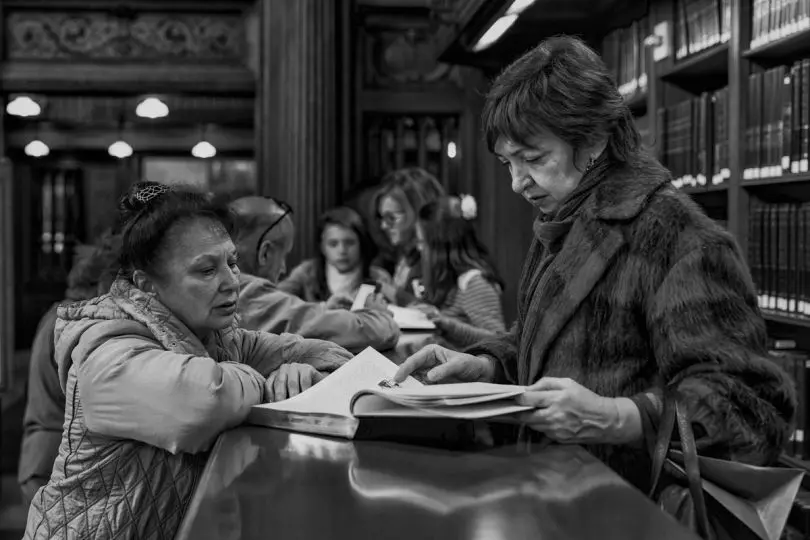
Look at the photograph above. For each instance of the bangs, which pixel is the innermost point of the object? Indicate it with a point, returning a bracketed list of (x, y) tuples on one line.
[(513, 114)]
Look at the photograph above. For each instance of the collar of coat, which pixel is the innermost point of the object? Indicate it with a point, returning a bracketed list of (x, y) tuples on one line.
[(626, 190), (589, 250), (127, 302)]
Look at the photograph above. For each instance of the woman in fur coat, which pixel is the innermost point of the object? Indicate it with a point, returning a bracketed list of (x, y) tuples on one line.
[(628, 288)]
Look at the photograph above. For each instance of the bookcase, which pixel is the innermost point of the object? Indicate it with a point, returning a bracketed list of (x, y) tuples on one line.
[(728, 111)]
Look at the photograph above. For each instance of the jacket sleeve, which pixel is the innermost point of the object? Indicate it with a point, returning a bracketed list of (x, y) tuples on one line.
[(295, 283), (44, 412), (133, 388), (277, 312), (503, 348), (709, 341), (267, 352)]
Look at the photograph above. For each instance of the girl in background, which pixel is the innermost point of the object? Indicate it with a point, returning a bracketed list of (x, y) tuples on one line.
[(342, 265), (462, 290), (397, 205)]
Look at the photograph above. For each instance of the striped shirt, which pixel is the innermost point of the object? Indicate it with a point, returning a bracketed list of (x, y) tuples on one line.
[(472, 310)]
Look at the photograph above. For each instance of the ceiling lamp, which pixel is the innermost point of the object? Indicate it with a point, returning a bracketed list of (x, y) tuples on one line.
[(502, 24), (23, 106), (204, 150), (37, 148), (518, 6), (152, 107), (120, 150)]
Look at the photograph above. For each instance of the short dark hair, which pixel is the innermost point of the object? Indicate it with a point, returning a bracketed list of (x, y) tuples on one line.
[(453, 248), (146, 220), (562, 86), (345, 217)]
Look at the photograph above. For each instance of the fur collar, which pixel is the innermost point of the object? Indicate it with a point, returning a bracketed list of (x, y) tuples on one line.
[(626, 190)]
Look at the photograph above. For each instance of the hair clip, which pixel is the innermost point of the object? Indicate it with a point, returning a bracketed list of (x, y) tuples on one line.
[(146, 194)]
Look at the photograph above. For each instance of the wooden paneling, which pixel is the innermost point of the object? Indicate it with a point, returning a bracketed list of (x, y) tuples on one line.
[(297, 110), (86, 78)]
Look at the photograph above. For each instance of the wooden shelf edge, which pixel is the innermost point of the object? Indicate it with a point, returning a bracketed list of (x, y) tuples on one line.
[(793, 42), (688, 64), (777, 180), (782, 318), (705, 189)]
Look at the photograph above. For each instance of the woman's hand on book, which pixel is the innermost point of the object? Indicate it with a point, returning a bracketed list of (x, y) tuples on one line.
[(376, 301), (290, 380), (440, 365)]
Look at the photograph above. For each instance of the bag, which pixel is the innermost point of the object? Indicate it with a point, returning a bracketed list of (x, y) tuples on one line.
[(718, 499)]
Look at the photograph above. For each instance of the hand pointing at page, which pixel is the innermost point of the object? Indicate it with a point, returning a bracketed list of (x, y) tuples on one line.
[(439, 365)]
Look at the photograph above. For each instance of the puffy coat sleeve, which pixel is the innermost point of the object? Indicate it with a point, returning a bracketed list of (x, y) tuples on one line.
[(266, 352), (709, 341), (131, 387)]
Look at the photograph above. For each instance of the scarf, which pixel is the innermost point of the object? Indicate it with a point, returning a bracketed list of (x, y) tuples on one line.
[(550, 232), (343, 283)]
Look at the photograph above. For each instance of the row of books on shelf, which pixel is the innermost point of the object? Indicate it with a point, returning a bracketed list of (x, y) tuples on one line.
[(701, 24), (693, 139), (624, 53), (795, 363), (778, 258), (777, 135), (776, 19)]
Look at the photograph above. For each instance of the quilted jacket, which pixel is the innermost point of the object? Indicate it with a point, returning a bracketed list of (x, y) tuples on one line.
[(145, 401)]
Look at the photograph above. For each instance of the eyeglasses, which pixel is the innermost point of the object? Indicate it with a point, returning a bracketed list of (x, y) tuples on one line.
[(287, 211), (391, 219)]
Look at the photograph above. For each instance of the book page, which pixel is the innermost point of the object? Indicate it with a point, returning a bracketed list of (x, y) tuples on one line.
[(461, 400), (362, 294), (333, 394), (410, 318), (374, 405)]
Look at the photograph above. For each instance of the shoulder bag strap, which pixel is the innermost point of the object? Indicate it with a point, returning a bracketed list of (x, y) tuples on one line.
[(663, 441), (691, 464)]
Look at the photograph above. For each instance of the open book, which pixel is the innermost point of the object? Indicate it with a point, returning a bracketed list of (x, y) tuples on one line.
[(405, 317), (362, 388), (410, 318)]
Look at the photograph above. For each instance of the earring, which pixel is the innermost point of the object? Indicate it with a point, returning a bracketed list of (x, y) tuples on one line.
[(591, 161)]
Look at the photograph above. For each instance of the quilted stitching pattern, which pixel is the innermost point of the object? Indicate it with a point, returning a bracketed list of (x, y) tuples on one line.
[(111, 489), (114, 489)]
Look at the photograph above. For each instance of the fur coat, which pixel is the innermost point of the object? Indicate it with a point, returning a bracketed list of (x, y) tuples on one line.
[(647, 292)]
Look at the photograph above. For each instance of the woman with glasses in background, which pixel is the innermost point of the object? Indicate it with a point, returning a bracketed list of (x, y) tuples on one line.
[(397, 205)]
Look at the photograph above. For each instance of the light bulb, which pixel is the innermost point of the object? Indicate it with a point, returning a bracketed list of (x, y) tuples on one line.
[(120, 149), (203, 150), (451, 150), (23, 106), (37, 148), (152, 108)]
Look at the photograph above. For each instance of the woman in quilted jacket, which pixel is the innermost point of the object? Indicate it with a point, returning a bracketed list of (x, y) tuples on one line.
[(156, 369)]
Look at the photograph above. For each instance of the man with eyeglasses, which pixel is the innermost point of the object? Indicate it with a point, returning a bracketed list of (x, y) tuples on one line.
[(264, 237)]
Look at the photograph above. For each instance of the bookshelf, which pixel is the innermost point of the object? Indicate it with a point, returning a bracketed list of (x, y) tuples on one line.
[(728, 111)]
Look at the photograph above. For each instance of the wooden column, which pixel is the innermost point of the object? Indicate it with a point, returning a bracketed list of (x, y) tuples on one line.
[(297, 109), (6, 245)]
